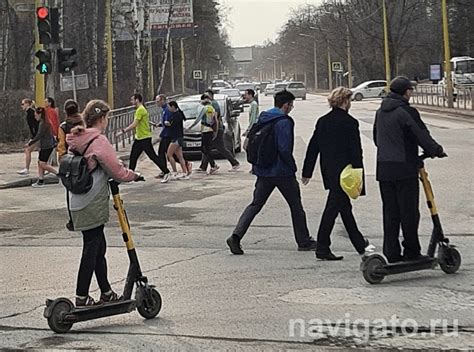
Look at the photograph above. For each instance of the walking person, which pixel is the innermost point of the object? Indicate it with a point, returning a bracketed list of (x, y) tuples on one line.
[(337, 140), (90, 211), (142, 142), (398, 132), (46, 145), (165, 138), (209, 127), (175, 148), (52, 115), (281, 174), (218, 143), (249, 97), (28, 106), (73, 119)]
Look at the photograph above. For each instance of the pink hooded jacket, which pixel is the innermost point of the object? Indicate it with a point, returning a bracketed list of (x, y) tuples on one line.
[(101, 152)]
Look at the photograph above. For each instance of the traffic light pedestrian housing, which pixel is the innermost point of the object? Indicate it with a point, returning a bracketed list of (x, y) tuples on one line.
[(44, 57), (65, 60), (44, 26)]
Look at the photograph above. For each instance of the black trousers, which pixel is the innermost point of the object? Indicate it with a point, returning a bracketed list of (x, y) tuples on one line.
[(400, 208), (219, 144), (289, 188), (145, 145), (163, 149), (93, 261), (338, 203), (207, 148)]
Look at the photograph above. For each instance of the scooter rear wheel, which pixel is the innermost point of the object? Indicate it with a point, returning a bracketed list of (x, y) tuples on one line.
[(151, 304), (451, 260), (371, 265), (55, 320)]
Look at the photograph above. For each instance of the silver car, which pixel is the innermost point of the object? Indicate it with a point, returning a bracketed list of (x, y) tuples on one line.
[(369, 89), (298, 89)]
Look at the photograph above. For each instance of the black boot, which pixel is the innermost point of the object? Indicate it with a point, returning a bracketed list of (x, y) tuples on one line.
[(328, 256), (234, 244)]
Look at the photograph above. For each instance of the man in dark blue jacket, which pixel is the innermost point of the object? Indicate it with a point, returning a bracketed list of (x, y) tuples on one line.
[(280, 174)]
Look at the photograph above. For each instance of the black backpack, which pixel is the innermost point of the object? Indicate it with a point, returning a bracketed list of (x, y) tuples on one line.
[(261, 147), (73, 172)]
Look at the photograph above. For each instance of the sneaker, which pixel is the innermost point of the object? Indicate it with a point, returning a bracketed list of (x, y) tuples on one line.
[(234, 245), (84, 302), (24, 172), (234, 168), (189, 165), (110, 297), (328, 256), (166, 178), (200, 170), (161, 175), (311, 246), (38, 184), (184, 178), (369, 248), (213, 170)]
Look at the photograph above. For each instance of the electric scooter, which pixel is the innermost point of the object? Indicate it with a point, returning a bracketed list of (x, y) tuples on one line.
[(375, 267), (61, 312)]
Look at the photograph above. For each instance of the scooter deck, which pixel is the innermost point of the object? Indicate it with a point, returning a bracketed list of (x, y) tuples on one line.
[(404, 267), (99, 311)]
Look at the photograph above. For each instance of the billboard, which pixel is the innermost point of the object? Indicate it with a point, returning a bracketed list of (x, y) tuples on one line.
[(182, 13), (243, 54)]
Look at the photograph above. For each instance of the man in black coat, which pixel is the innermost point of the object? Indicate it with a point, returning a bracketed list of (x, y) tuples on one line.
[(337, 139), (398, 132)]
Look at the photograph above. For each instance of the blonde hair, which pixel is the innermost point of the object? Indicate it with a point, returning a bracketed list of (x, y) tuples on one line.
[(95, 110), (339, 96)]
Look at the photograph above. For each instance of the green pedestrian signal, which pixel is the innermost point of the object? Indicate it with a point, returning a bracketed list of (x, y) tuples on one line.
[(44, 57)]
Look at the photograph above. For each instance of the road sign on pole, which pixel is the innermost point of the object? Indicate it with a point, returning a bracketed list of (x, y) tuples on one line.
[(79, 81), (337, 67), (197, 74)]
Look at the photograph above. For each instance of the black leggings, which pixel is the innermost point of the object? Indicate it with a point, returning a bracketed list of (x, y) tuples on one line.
[(93, 261), (145, 145), (207, 147)]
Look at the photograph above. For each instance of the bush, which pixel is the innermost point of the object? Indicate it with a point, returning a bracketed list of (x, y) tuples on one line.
[(12, 119)]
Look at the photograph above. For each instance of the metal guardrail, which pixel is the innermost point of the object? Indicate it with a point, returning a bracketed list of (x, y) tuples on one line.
[(437, 95), (123, 117)]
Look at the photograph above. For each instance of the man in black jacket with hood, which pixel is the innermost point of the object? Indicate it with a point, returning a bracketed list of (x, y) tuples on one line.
[(398, 132)]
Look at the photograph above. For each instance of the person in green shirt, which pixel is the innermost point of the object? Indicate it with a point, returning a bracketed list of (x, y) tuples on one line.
[(249, 97), (142, 142)]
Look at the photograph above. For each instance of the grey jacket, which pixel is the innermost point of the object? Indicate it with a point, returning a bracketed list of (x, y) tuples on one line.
[(44, 136)]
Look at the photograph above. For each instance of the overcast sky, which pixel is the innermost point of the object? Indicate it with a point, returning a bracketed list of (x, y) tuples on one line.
[(254, 21)]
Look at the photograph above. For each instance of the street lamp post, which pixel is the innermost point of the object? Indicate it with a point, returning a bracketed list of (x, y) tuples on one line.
[(447, 55), (315, 59), (385, 36)]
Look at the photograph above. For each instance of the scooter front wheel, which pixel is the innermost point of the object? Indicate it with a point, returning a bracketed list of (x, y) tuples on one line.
[(450, 260), (56, 319), (151, 304), (370, 266)]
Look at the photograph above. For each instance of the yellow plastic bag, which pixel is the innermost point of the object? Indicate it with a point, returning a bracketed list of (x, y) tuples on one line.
[(351, 181)]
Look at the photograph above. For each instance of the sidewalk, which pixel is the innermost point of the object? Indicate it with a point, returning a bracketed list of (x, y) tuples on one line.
[(11, 163)]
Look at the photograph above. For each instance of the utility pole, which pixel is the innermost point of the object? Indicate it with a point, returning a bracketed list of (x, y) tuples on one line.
[(385, 36), (172, 65), (110, 64), (349, 60), (447, 54), (329, 67), (39, 78), (183, 88)]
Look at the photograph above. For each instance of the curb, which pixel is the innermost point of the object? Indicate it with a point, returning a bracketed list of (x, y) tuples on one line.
[(463, 114), (28, 181)]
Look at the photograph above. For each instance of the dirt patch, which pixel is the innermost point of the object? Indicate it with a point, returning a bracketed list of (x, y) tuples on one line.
[(13, 147)]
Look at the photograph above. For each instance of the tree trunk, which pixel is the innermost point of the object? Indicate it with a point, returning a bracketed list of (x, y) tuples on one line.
[(137, 47), (165, 51)]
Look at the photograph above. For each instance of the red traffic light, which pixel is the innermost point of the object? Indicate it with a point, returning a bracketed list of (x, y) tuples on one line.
[(42, 12)]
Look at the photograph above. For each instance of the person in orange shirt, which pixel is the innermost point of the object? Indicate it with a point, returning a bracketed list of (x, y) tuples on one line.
[(52, 116)]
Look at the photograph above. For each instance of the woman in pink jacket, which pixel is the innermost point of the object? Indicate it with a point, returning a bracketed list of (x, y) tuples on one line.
[(90, 211)]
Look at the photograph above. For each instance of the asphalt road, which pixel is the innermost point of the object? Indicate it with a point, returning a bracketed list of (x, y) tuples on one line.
[(265, 300)]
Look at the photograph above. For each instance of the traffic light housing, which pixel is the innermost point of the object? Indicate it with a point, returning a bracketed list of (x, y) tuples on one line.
[(44, 26), (65, 60), (44, 57)]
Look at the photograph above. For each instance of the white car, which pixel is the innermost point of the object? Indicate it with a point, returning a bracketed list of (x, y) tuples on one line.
[(369, 89), (298, 89), (270, 89)]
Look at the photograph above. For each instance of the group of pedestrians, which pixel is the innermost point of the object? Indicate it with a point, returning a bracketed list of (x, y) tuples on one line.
[(398, 132)]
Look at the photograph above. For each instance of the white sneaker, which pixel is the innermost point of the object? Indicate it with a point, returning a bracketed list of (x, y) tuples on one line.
[(166, 178), (38, 184), (24, 172), (185, 178), (213, 170), (235, 168), (370, 248)]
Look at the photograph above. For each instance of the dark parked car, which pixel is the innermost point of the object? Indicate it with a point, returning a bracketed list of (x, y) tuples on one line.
[(236, 97), (191, 106)]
